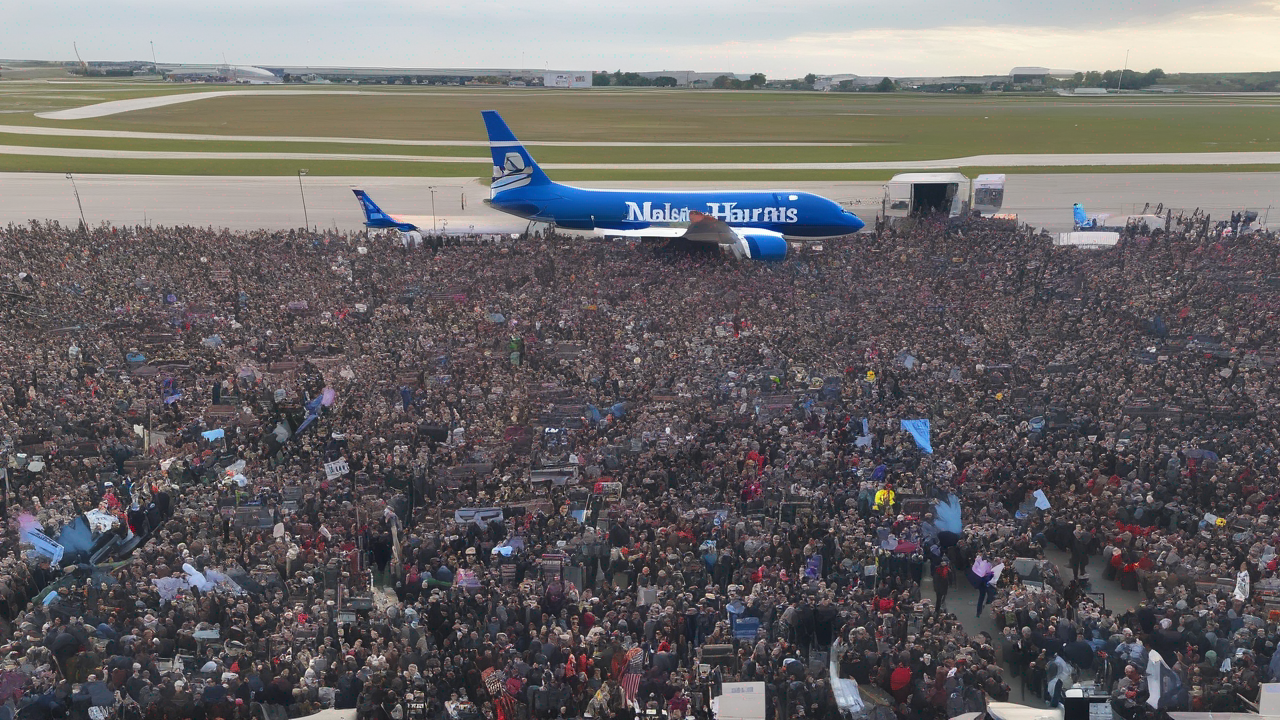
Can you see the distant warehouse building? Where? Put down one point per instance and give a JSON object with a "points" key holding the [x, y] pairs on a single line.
{"points": [[1037, 75], [567, 79]]}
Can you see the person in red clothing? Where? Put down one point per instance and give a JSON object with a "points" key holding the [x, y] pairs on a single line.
{"points": [[941, 583], [678, 705], [900, 683]]}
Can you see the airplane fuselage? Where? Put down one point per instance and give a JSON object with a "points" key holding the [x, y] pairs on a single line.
{"points": [[791, 214]]}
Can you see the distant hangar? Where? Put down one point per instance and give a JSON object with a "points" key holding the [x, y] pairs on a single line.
{"points": [[266, 73]]}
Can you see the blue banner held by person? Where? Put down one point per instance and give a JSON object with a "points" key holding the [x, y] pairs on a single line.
{"points": [[919, 430]]}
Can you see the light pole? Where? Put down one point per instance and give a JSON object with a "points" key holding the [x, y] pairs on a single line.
{"points": [[84, 223], [303, 193], [432, 188]]}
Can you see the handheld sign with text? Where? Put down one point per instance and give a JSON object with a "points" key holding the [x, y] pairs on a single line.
{"points": [[336, 469]]}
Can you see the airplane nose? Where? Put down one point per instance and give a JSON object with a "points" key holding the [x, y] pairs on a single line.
{"points": [[855, 222]]}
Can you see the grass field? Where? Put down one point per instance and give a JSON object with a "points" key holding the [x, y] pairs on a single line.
{"points": [[11, 163], [890, 127]]}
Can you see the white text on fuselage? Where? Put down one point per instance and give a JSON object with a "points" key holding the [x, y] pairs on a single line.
{"points": [[728, 212]]}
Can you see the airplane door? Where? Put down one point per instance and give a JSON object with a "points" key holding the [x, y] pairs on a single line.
{"points": [[784, 202]]}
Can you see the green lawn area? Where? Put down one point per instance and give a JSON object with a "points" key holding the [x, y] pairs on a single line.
{"points": [[57, 141], [27, 163], [898, 126]]}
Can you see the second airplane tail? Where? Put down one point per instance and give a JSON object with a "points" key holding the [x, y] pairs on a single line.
{"points": [[374, 217], [513, 167]]}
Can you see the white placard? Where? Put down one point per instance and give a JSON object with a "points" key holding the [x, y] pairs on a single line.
{"points": [[742, 701], [336, 469]]}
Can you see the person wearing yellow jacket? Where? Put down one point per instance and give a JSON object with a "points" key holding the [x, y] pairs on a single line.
{"points": [[886, 498]]}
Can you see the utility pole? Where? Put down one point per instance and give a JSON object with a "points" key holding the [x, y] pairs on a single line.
{"points": [[432, 188], [303, 193], [76, 190]]}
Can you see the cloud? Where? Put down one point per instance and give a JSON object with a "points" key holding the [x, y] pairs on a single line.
{"points": [[1204, 40], [907, 37]]}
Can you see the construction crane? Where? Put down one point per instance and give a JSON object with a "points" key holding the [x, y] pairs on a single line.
{"points": [[84, 66]]}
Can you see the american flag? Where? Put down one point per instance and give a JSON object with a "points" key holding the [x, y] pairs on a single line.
{"points": [[630, 685], [506, 707], [493, 681]]}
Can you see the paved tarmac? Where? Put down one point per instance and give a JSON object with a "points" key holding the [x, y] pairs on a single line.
{"points": [[115, 107], [963, 601], [203, 137], [998, 160], [246, 203]]}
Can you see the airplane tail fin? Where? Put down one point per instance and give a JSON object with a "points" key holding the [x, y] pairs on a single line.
{"points": [[374, 217], [513, 167], [373, 214]]}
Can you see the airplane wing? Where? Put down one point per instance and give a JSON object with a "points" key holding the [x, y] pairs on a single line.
{"points": [[709, 229], [743, 243], [701, 228], [649, 232]]}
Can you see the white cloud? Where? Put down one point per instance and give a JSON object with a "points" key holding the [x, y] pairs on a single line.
{"points": [[1206, 40], [906, 37]]}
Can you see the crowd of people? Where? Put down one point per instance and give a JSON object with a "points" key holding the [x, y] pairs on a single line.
{"points": [[561, 478]]}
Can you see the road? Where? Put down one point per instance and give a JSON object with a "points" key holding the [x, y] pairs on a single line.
{"points": [[1029, 160], [246, 203]]}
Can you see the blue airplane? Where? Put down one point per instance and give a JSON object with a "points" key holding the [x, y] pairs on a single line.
{"points": [[745, 223], [376, 219]]}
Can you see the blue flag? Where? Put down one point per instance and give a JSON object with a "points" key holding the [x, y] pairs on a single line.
{"points": [[919, 430], [948, 513]]}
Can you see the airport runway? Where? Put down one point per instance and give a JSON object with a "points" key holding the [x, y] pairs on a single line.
{"points": [[115, 107], [247, 203], [203, 137]]}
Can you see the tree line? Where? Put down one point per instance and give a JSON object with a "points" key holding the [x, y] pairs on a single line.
{"points": [[1122, 79]]}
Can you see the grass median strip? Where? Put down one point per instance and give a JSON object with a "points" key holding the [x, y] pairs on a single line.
{"points": [[127, 166]]}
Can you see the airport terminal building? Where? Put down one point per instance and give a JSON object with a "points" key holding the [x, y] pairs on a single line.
{"points": [[267, 74]]}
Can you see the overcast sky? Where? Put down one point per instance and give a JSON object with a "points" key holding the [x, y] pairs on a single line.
{"points": [[781, 39]]}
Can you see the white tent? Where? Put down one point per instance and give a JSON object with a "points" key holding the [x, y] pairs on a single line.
{"points": [[331, 715], [1013, 711], [1088, 239]]}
